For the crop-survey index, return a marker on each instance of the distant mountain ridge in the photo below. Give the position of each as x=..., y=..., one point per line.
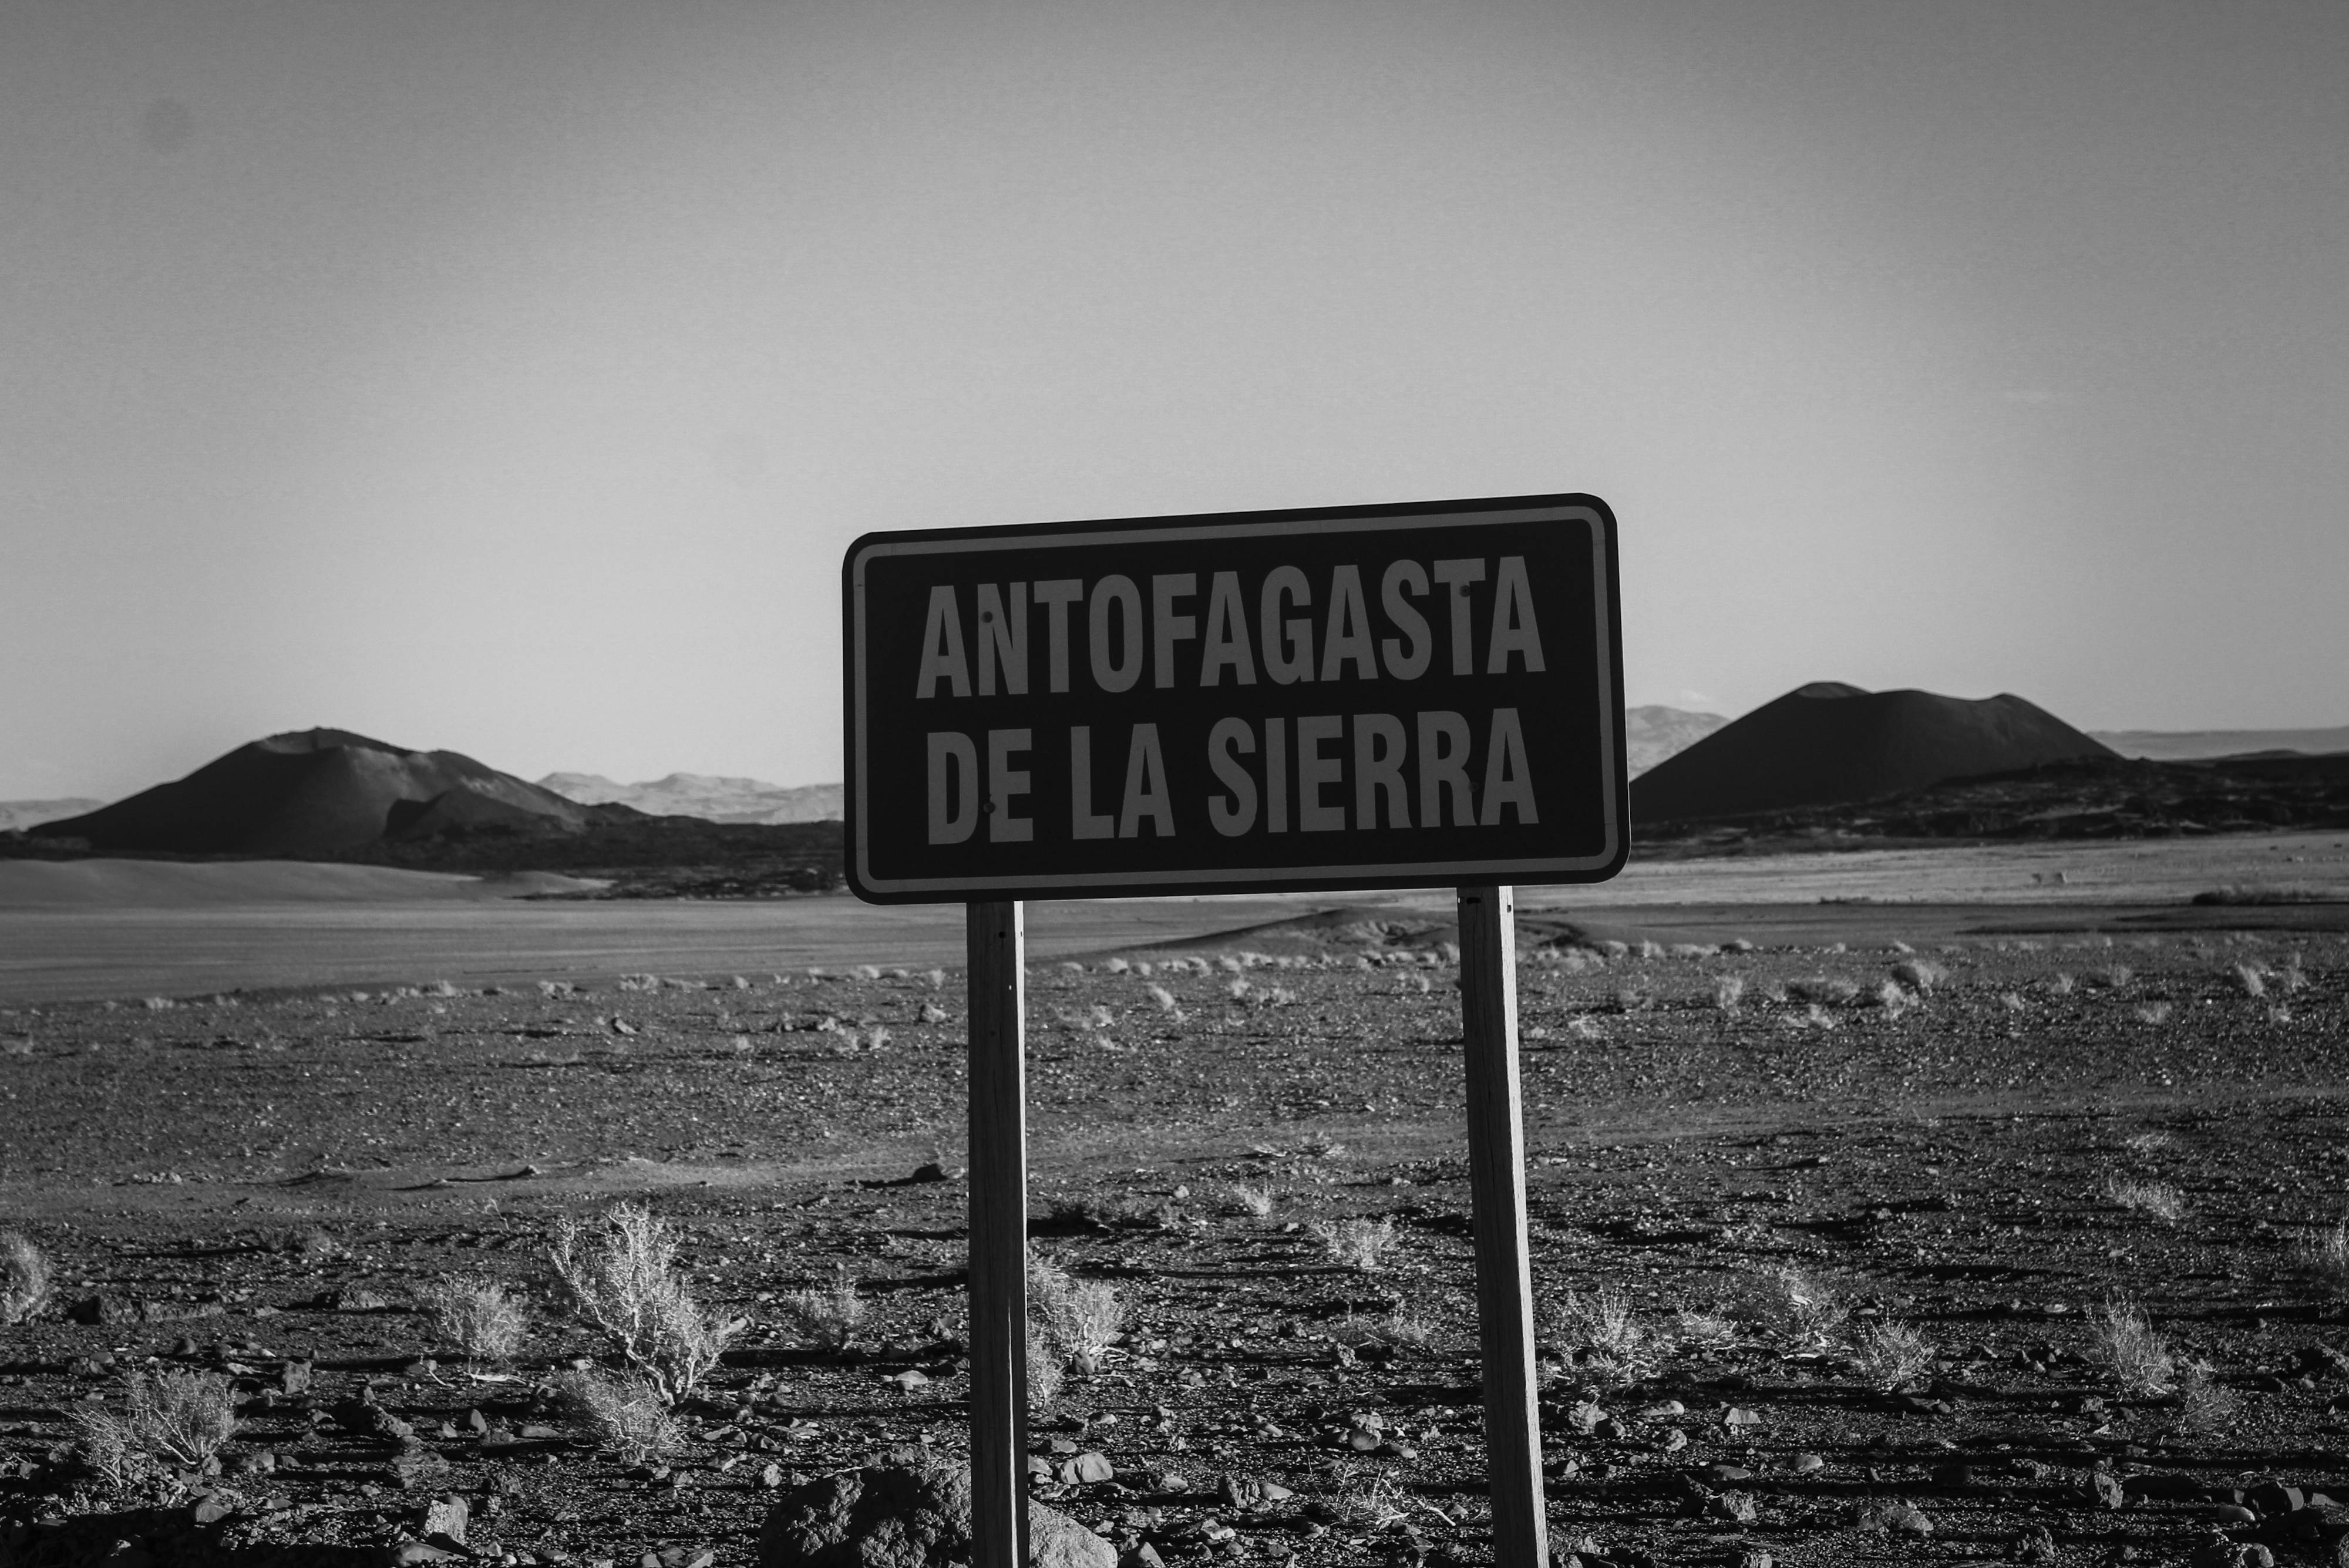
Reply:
x=1653, y=734
x=2193, y=745
x=18, y=814
x=321, y=793
x=1828, y=744
x=711, y=798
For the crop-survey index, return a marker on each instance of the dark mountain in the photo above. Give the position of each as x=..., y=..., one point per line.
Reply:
x=1831, y=744
x=317, y=793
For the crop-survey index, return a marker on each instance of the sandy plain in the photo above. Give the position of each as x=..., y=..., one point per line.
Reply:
x=2077, y=1091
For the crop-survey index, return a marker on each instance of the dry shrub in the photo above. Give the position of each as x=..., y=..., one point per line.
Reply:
x=2252, y=978
x=1728, y=991
x=24, y=1278
x=628, y=1416
x=1253, y=1202
x=102, y=1442
x=1046, y=1370
x=826, y=1318
x=2139, y=1358
x=625, y=1284
x=2204, y=1403
x=1607, y=1328
x=2324, y=1258
x=1919, y=975
x=2158, y=1199
x=477, y=1315
x=1703, y=1331
x=1380, y=1505
x=1357, y=1243
x=1824, y=990
x=2155, y=1012
x=1891, y=1355
x=2013, y=1000
x=176, y=1420
x=1808, y=1305
x=1077, y=1320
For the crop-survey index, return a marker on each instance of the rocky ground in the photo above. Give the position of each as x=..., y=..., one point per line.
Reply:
x=1828, y=1244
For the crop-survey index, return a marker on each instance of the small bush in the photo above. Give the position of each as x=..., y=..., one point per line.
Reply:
x=626, y=1286
x=1253, y=1202
x=1809, y=1305
x=2060, y=984
x=1377, y=1506
x=2204, y=1403
x=1919, y=975
x=2324, y=1258
x=827, y=1319
x=1605, y=1324
x=2253, y=981
x=177, y=1420
x=2158, y=1199
x=24, y=1278
x=2155, y=1012
x=477, y=1316
x=2139, y=1358
x=1077, y=1320
x=628, y=1416
x=1046, y=1370
x=1728, y=991
x=1892, y=1355
x=102, y=1442
x=1357, y=1243
x=1703, y=1330
x=1824, y=992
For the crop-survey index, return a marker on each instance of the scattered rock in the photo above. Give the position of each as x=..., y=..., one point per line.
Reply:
x=447, y=1515
x=911, y=1512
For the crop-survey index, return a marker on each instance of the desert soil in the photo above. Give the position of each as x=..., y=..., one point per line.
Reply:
x=2023, y=1132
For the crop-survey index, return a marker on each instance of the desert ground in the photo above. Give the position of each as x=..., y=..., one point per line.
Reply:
x=1943, y=1209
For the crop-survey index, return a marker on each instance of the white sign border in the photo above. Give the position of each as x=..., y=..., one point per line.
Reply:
x=956, y=889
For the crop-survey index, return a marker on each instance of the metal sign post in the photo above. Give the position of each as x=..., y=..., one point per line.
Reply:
x=1426, y=695
x=998, y=1237
x=1496, y=1185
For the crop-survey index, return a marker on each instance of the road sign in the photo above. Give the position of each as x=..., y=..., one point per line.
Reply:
x=1352, y=697
x=1391, y=696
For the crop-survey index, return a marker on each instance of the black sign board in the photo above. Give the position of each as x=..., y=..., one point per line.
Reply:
x=1416, y=695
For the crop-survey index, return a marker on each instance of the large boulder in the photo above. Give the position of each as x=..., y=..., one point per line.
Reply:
x=913, y=1512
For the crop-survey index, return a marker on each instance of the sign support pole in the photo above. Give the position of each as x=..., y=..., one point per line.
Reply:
x=998, y=1236
x=1496, y=1178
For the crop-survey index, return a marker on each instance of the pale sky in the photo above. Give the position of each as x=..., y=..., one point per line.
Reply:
x=510, y=376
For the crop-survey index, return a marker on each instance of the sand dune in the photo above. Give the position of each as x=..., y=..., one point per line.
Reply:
x=1828, y=744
